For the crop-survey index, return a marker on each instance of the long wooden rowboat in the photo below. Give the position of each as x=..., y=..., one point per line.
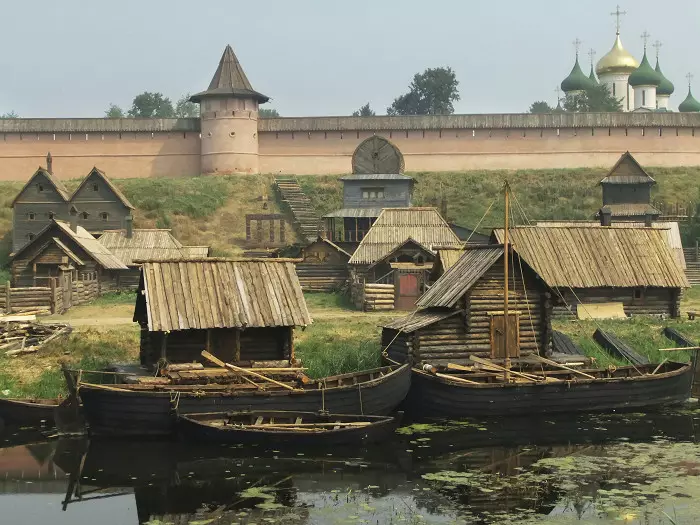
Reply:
x=281, y=428
x=625, y=388
x=135, y=410
x=28, y=411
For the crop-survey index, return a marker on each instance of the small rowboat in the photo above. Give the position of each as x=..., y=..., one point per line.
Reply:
x=287, y=428
x=28, y=411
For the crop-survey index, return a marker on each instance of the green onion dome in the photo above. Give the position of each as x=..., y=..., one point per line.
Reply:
x=591, y=76
x=576, y=81
x=665, y=87
x=644, y=75
x=689, y=105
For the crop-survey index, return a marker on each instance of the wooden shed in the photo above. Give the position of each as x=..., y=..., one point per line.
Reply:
x=632, y=266
x=462, y=313
x=324, y=266
x=392, y=263
x=239, y=310
x=627, y=191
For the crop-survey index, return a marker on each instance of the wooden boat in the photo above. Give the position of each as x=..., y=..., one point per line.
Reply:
x=624, y=389
x=287, y=428
x=28, y=411
x=133, y=410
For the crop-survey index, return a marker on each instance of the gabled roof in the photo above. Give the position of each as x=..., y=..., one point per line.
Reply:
x=401, y=246
x=82, y=238
x=420, y=319
x=101, y=174
x=395, y=226
x=448, y=257
x=629, y=210
x=464, y=274
x=355, y=212
x=584, y=257
x=627, y=171
x=196, y=252
x=150, y=244
x=330, y=243
x=57, y=184
x=377, y=176
x=230, y=79
x=221, y=293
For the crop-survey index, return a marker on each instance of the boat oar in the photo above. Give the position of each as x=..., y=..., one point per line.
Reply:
x=206, y=355
x=559, y=365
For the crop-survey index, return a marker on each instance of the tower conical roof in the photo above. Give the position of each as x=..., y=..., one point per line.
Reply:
x=665, y=87
x=592, y=77
x=617, y=60
x=229, y=80
x=576, y=81
x=689, y=105
x=644, y=75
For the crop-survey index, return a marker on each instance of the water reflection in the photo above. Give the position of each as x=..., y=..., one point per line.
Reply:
x=505, y=471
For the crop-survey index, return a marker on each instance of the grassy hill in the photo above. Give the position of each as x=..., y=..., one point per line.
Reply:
x=211, y=209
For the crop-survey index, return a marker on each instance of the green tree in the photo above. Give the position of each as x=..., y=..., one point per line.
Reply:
x=186, y=109
x=149, y=104
x=432, y=92
x=114, y=111
x=364, y=111
x=9, y=114
x=268, y=113
x=540, y=107
x=597, y=99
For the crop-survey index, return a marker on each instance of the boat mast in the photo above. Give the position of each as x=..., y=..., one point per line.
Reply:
x=505, y=289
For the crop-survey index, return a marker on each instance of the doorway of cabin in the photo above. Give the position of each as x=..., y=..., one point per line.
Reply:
x=500, y=340
x=407, y=290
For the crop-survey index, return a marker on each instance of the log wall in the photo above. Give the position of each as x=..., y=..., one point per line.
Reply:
x=322, y=277
x=378, y=297
x=30, y=298
x=653, y=301
x=84, y=291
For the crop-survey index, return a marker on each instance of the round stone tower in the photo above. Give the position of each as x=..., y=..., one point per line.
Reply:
x=229, y=119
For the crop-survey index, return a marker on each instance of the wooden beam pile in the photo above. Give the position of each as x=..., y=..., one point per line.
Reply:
x=379, y=296
x=24, y=336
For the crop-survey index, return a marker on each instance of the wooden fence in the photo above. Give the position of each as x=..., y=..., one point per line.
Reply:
x=40, y=299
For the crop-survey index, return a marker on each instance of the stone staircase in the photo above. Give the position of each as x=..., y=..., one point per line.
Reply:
x=306, y=220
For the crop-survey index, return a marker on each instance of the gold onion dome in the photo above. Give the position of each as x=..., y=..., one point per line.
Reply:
x=617, y=60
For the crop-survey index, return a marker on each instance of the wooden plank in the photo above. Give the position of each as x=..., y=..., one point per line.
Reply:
x=184, y=286
x=618, y=348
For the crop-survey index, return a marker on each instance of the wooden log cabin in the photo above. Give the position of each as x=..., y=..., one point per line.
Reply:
x=324, y=267
x=462, y=313
x=398, y=252
x=583, y=265
x=241, y=311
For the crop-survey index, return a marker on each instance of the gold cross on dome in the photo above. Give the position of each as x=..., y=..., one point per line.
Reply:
x=617, y=14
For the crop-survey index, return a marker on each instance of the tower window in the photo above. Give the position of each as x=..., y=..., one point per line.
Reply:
x=613, y=89
x=644, y=97
x=30, y=236
x=39, y=188
x=31, y=216
x=95, y=187
x=104, y=215
x=84, y=215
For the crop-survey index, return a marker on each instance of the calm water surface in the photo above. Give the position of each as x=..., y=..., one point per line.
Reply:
x=619, y=468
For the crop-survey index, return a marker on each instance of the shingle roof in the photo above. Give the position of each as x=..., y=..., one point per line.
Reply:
x=196, y=252
x=420, y=319
x=57, y=184
x=356, y=212
x=101, y=174
x=449, y=256
x=92, y=246
x=454, y=283
x=583, y=257
x=627, y=171
x=630, y=210
x=229, y=79
x=152, y=244
x=376, y=176
x=221, y=293
x=395, y=226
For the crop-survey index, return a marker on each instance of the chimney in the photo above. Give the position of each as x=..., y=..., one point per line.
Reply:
x=73, y=218
x=129, y=221
x=605, y=216
x=49, y=163
x=648, y=217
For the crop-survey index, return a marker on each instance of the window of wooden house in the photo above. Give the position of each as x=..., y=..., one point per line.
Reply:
x=30, y=236
x=638, y=293
x=39, y=188
x=95, y=187
x=31, y=216
x=51, y=215
x=372, y=193
x=104, y=215
x=84, y=215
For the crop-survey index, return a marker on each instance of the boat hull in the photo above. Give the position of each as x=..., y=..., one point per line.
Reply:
x=123, y=412
x=28, y=412
x=435, y=396
x=378, y=430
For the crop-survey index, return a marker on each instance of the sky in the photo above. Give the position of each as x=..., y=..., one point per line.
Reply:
x=72, y=58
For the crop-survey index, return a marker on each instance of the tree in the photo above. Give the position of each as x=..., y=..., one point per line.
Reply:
x=597, y=99
x=432, y=92
x=186, y=109
x=268, y=113
x=364, y=111
x=149, y=104
x=114, y=111
x=9, y=114
x=540, y=107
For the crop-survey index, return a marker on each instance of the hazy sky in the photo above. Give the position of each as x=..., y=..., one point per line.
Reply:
x=73, y=58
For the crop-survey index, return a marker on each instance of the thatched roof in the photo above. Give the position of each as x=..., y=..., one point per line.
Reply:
x=152, y=244
x=221, y=293
x=584, y=257
x=395, y=226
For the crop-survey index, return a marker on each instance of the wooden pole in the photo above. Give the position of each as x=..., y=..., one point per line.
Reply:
x=217, y=361
x=237, y=347
x=505, y=289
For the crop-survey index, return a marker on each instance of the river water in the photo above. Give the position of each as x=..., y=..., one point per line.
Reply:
x=631, y=468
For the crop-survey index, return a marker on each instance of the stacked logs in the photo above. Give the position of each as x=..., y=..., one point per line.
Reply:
x=26, y=337
x=378, y=297
x=36, y=299
x=321, y=277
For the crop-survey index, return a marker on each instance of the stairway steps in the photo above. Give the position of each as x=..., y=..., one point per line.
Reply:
x=304, y=216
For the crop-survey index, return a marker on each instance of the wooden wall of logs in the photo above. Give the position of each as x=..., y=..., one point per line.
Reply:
x=322, y=277
x=378, y=297
x=649, y=301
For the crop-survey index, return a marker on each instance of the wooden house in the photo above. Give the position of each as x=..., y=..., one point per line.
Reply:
x=42, y=199
x=101, y=205
x=632, y=266
x=324, y=267
x=462, y=314
x=130, y=245
x=71, y=257
x=391, y=265
x=239, y=310
x=627, y=192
